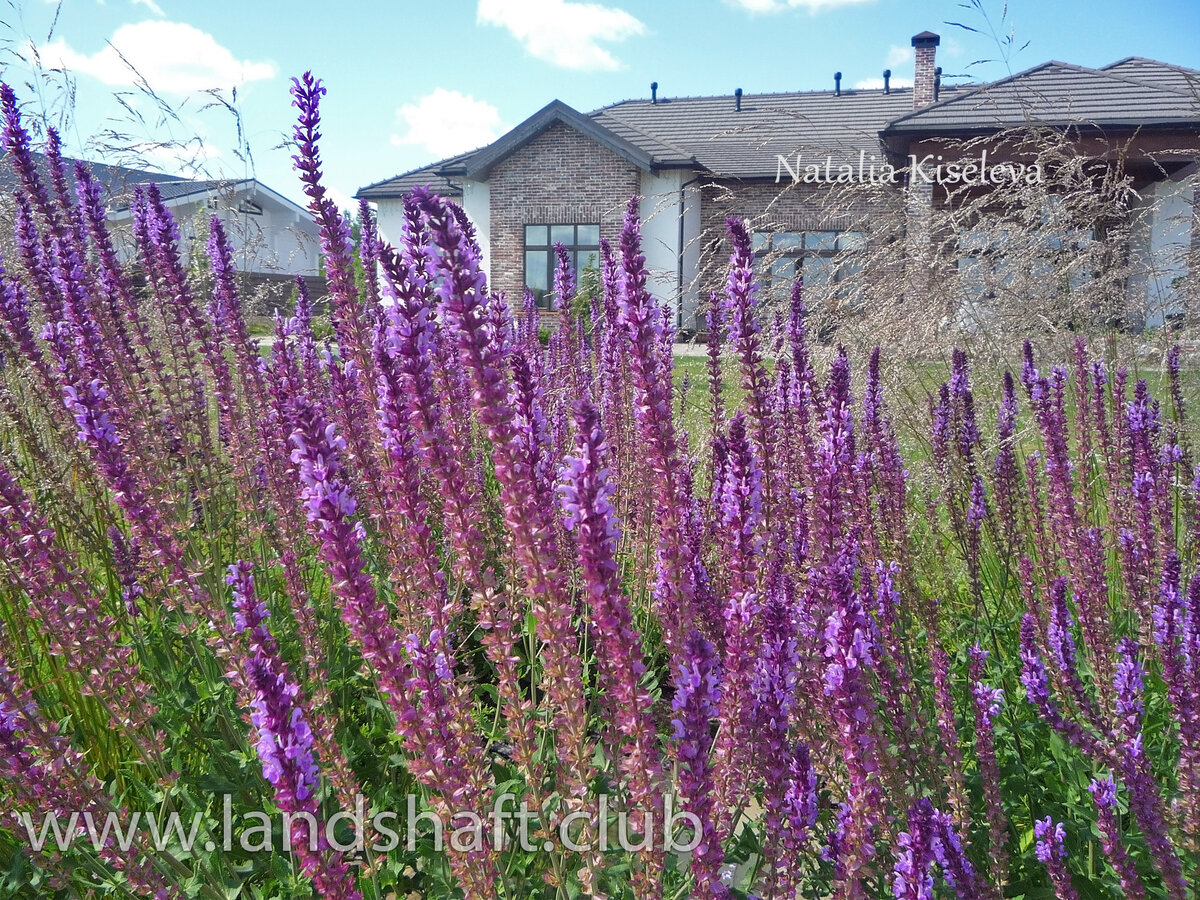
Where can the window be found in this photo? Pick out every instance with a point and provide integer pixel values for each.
(782, 255)
(582, 243)
(1035, 260)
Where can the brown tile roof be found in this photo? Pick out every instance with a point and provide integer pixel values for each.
(443, 176)
(745, 144)
(1058, 94)
(1176, 78)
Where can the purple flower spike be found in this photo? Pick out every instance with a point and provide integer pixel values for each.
(740, 290)
(284, 739)
(586, 500)
(987, 702)
(1104, 796)
(1052, 853)
(697, 693)
(912, 875)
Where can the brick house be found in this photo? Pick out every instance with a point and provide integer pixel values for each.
(775, 159)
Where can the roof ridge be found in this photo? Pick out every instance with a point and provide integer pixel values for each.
(1149, 59)
(1011, 79)
(845, 92)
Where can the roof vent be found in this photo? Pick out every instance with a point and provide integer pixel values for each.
(887, 77)
(654, 92)
(737, 100)
(937, 83)
(837, 84)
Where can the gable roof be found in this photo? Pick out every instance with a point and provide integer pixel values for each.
(480, 163)
(1166, 75)
(119, 181)
(184, 189)
(116, 180)
(705, 133)
(1058, 94)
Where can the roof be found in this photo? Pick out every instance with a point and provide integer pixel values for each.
(115, 180)
(707, 133)
(719, 138)
(481, 162)
(119, 181)
(1178, 78)
(710, 134)
(442, 176)
(1129, 95)
(182, 188)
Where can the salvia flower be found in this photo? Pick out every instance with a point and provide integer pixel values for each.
(1052, 853)
(1104, 797)
(284, 739)
(697, 694)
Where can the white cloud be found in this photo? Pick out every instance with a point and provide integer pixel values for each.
(561, 32)
(447, 122)
(345, 202)
(150, 5)
(194, 159)
(774, 6)
(876, 84)
(898, 55)
(170, 56)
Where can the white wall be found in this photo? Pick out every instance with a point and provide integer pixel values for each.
(389, 219)
(692, 245)
(1160, 238)
(660, 212)
(477, 204)
(281, 240)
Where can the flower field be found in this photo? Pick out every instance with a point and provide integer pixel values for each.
(441, 568)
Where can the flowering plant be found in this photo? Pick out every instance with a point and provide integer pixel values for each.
(436, 567)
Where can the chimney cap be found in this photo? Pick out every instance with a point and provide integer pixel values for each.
(926, 39)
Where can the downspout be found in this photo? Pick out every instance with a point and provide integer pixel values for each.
(679, 271)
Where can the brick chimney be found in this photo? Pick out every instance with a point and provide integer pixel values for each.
(925, 48)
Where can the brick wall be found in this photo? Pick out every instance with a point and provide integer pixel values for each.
(924, 68)
(924, 76)
(560, 177)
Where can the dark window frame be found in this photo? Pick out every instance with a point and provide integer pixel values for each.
(766, 256)
(544, 298)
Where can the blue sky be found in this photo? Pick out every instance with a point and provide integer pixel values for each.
(411, 81)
